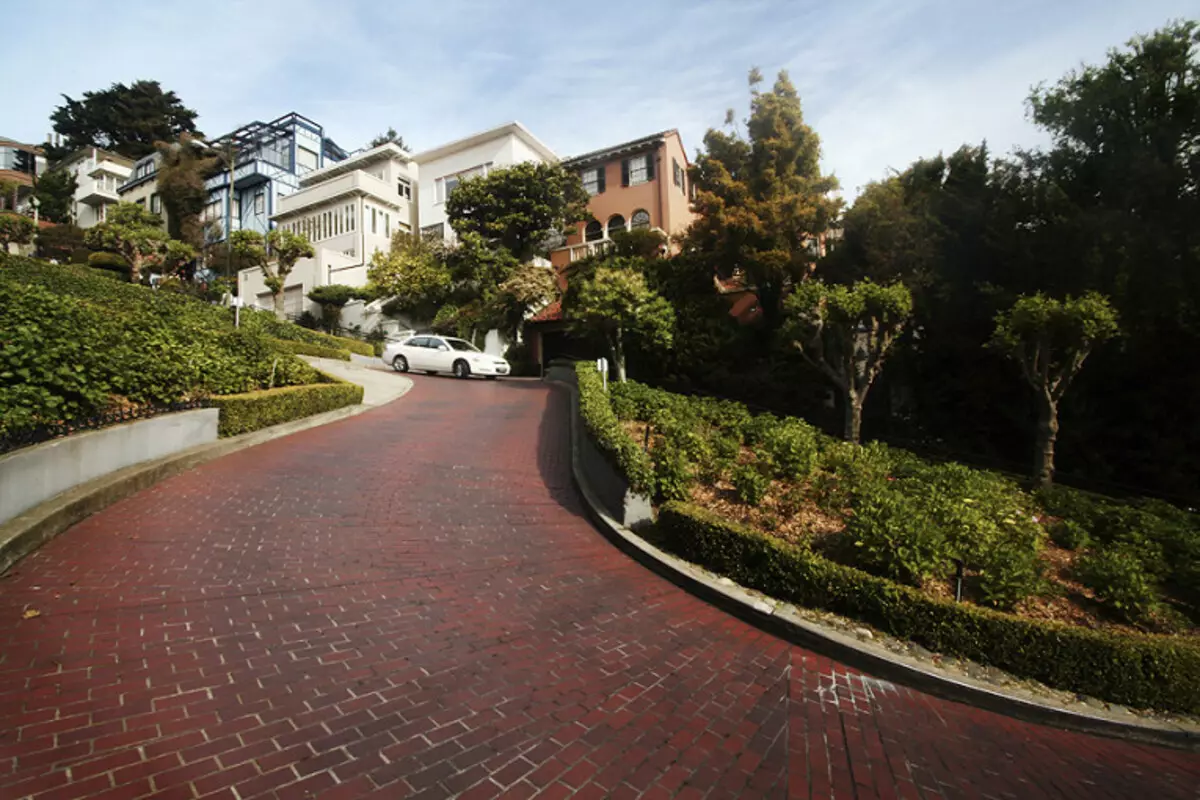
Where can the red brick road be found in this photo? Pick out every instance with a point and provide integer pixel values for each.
(411, 603)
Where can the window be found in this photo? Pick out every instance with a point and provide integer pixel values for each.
(638, 169)
(678, 173)
(260, 203)
(350, 209)
(594, 231)
(404, 189)
(616, 224)
(373, 220)
(593, 180)
(387, 225)
(306, 160)
(435, 231)
(640, 219)
(444, 187)
(141, 202)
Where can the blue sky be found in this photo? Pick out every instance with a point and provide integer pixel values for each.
(882, 82)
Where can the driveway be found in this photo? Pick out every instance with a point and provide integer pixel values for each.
(411, 603)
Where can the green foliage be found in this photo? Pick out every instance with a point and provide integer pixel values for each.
(332, 298)
(1051, 338)
(605, 429)
(1069, 534)
(793, 448)
(762, 199)
(389, 135)
(124, 119)
(673, 471)
(1117, 575)
(414, 273)
(184, 165)
(15, 229)
(59, 242)
(306, 349)
(750, 484)
(109, 261)
(529, 286)
(137, 235)
(1137, 670)
(55, 191)
(266, 323)
(518, 207)
(72, 341)
(616, 301)
(242, 413)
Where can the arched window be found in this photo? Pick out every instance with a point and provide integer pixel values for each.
(640, 219)
(616, 224)
(594, 231)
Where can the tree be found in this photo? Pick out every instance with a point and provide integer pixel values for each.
(8, 194)
(59, 242)
(15, 229)
(55, 190)
(332, 298)
(413, 273)
(183, 168)
(390, 136)
(846, 332)
(135, 233)
(1050, 339)
(124, 119)
(518, 207)
(616, 302)
(276, 256)
(528, 287)
(761, 199)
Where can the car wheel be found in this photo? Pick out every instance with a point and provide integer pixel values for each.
(400, 364)
(461, 370)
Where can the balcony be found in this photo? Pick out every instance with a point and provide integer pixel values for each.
(588, 249)
(349, 185)
(98, 191)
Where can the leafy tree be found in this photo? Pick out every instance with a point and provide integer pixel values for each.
(275, 255)
(846, 332)
(124, 119)
(183, 168)
(518, 207)
(617, 303)
(8, 194)
(15, 229)
(59, 242)
(529, 286)
(389, 136)
(414, 273)
(332, 298)
(1050, 339)
(761, 199)
(135, 233)
(55, 190)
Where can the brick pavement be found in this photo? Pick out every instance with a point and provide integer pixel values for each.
(410, 603)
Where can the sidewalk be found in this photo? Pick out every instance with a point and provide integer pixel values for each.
(380, 384)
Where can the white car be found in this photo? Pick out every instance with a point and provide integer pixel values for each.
(433, 354)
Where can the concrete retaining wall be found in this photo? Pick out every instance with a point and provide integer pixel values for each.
(33, 475)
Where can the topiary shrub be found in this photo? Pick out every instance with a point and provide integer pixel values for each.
(242, 413)
(109, 261)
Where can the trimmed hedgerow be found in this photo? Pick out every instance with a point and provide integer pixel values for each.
(266, 322)
(605, 429)
(1137, 670)
(242, 413)
(306, 349)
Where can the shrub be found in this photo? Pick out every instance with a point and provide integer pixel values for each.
(792, 446)
(750, 484)
(1117, 575)
(109, 261)
(1138, 670)
(893, 537)
(1069, 534)
(673, 473)
(242, 413)
(306, 349)
(265, 322)
(602, 425)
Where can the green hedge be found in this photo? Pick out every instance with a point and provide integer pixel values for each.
(265, 322)
(1137, 670)
(306, 349)
(606, 431)
(242, 413)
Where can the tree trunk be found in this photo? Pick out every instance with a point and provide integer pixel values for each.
(1047, 434)
(135, 269)
(853, 403)
(277, 299)
(618, 348)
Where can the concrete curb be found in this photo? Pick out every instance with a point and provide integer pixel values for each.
(782, 620)
(28, 531)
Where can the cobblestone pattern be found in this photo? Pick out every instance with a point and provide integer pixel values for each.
(411, 603)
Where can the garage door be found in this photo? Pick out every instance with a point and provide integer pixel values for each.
(293, 301)
(264, 300)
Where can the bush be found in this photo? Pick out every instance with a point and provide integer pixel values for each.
(305, 349)
(604, 427)
(792, 447)
(1117, 575)
(893, 537)
(673, 473)
(242, 413)
(265, 322)
(109, 261)
(1138, 670)
(750, 484)
(1069, 534)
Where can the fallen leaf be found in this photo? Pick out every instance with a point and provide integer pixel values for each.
(30, 613)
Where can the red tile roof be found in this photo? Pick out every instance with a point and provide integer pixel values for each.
(551, 313)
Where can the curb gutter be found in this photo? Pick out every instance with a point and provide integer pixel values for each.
(28, 531)
(782, 620)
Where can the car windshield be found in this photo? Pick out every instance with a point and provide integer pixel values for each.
(460, 344)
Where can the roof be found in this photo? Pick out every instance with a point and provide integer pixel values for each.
(607, 153)
(514, 128)
(29, 148)
(551, 313)
(385, 151)
(108, 155)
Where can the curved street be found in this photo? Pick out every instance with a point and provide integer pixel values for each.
(411, 603)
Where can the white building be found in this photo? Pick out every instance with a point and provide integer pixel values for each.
(98, 173)
(443, 168)
(347, 210)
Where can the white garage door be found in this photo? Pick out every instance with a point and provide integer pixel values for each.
(293, 301)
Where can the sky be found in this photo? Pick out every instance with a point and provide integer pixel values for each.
(883, 83)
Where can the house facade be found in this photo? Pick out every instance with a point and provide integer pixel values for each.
(98, 173)
(20, 164)
(268, 159)
(142, 186)
(443, 168)
(347, 210)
